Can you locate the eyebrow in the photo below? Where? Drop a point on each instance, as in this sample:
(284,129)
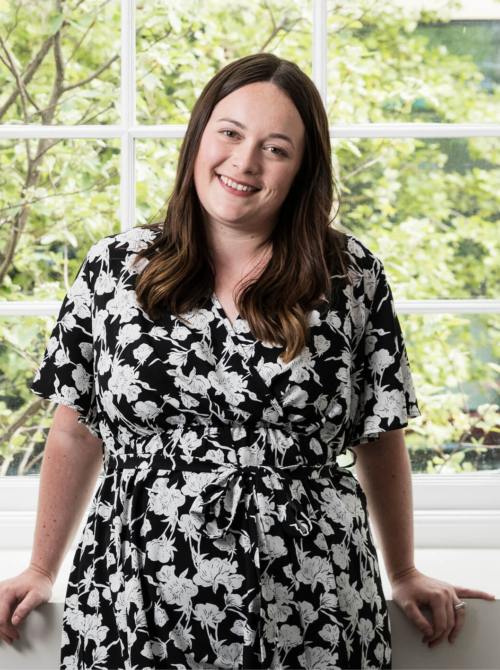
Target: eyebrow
(240,125)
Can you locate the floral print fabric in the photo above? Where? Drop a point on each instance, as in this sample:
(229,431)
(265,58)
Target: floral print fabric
(223,533)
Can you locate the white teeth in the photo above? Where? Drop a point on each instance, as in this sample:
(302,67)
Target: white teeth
(237,187)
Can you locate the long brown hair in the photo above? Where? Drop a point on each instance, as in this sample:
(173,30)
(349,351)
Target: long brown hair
(306,250)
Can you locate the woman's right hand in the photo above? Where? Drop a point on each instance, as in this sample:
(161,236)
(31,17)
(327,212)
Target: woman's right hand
(20,595)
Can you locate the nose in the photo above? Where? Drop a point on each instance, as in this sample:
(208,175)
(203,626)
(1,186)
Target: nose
(245,159)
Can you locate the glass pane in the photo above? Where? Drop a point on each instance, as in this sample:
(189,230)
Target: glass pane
(430,208)
(410,61)
(454,364)
(68,61)
(454,360)
(156,167)
(181,46)
(22,343)
(62,208)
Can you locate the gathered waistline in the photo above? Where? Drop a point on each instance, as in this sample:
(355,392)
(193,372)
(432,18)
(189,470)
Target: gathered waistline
(296,471)
(215,506)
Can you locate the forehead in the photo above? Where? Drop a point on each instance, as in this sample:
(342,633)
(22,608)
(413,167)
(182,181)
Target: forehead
(261,104)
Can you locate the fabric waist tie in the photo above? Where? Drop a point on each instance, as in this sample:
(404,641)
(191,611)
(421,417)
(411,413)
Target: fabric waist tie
(214,509)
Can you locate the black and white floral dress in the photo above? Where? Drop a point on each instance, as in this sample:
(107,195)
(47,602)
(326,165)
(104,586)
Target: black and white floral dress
(223,533)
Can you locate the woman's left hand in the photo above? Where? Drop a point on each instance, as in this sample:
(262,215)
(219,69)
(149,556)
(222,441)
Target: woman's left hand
(411,589)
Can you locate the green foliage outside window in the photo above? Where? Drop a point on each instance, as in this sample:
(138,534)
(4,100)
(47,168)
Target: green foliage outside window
(428,207)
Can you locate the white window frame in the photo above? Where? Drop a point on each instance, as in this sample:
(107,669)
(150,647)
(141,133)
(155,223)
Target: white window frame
(450,510)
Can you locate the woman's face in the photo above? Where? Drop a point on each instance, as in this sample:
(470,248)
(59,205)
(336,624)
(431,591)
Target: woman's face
(238,143)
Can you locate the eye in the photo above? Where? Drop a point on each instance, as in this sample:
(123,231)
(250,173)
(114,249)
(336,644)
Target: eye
(281,150)
(282,153)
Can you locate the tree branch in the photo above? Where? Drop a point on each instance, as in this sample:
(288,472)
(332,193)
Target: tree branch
(96,10)
(69,87)
(31,68)
(32,409)
(15,72)
(27,203)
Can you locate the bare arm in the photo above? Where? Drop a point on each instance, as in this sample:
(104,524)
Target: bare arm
(71,464)
(384,471)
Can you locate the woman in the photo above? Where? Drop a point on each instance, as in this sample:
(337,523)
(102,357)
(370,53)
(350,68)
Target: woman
(225,359)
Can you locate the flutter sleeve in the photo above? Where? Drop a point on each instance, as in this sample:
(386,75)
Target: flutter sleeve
(66,373)
(382,393)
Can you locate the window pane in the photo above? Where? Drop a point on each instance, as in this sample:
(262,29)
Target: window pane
(430,208)
(181,46)
(68,62)
(454,364)
(61,209)
(22,343)
(454,360)
(156,167)
(410,61)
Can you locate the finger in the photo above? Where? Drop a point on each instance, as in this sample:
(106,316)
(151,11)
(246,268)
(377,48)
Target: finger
(459,622)
(10,632)
(473,593)
(6,638)
(26,605)
(417,618)
(437,603)
(7,603)
(450,612)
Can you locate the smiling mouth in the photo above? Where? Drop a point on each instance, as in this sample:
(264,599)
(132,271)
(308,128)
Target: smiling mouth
(237,187)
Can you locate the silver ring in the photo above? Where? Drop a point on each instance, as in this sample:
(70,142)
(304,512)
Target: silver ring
(458,607)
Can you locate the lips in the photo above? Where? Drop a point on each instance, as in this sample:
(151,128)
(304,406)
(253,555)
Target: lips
(236,181)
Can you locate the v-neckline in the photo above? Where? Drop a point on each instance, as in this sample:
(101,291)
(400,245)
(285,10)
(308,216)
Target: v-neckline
(219,306)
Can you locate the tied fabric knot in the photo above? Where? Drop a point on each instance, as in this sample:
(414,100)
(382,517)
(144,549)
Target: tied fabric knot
(218,502)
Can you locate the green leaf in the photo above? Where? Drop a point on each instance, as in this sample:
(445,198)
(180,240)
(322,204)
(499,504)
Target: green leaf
(26,335)
(86,180)
(151,82)
(55,22)
(494,366)
(48,238)
(458,457)
(71,238)
(175,21)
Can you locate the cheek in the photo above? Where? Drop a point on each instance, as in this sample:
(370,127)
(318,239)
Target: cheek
(207,158)
(279,190)
(212,156)
(281,183)
(288,179)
